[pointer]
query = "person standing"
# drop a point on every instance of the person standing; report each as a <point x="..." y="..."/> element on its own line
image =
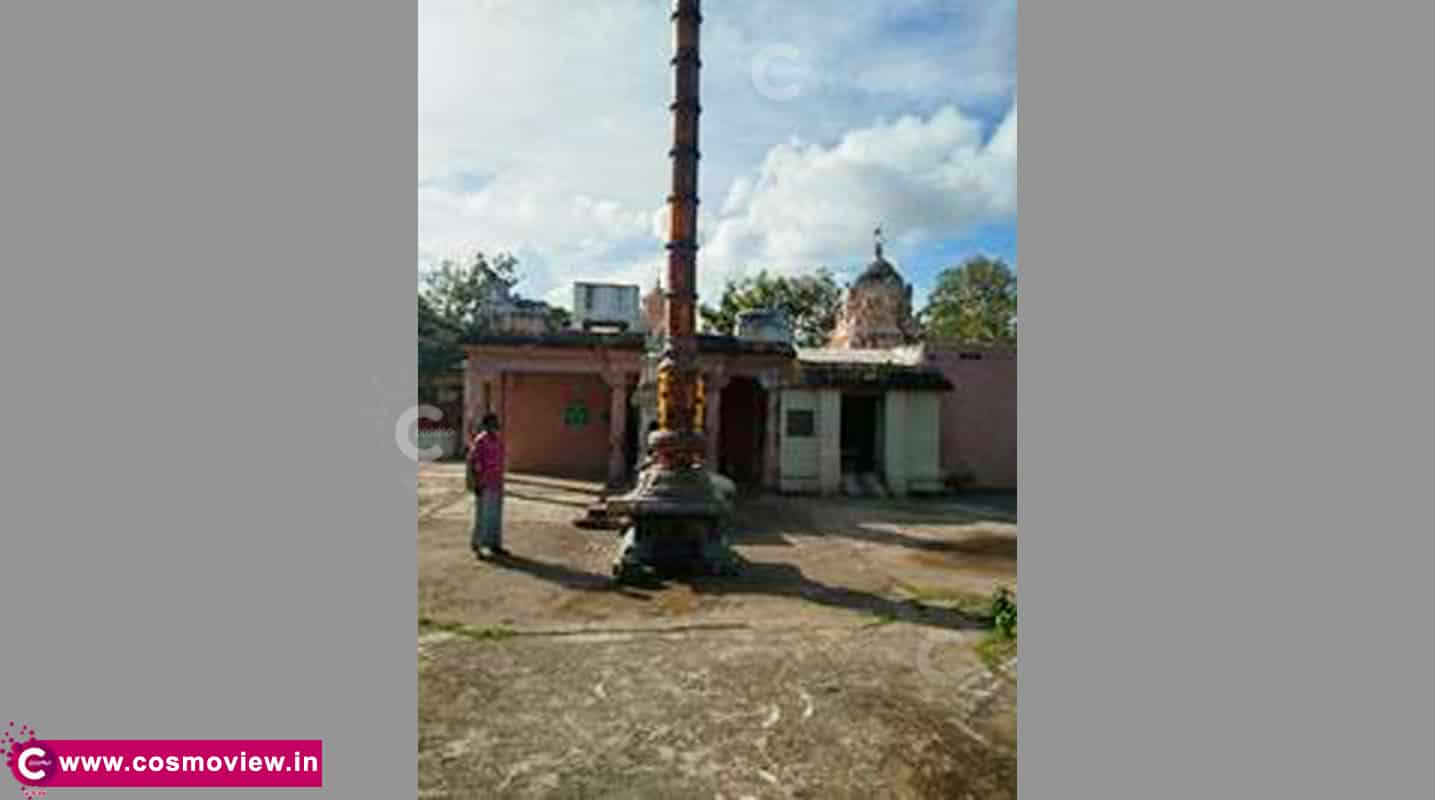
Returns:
<point x="485" y="465"/>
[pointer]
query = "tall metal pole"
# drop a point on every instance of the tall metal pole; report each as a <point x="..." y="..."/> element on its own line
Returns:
<point x="675" y="511"/>
<point x="678" y="443"/>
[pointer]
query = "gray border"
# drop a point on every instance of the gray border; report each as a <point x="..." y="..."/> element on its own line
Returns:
<point x="206" y="331"/>
<point x="206" y="315"/>
<point x="1222" y="438"/>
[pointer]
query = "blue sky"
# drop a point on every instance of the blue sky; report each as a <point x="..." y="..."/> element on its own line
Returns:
<point x="543" y="130"/>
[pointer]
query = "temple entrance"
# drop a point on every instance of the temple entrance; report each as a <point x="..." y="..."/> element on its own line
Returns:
<point x="860" y="439"/>
<point x="743" y="431"/>
<point x="635" y="439"/>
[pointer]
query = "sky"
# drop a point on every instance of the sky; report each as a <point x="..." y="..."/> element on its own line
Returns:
<point x="544" y="130"/>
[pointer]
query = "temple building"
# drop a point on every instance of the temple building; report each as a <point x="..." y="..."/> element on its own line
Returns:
<point x="875" y="412"/>
<point x="863" y="415"/>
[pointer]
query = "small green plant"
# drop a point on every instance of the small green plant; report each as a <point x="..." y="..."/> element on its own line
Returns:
<point x="1004" y="613"/>
<point x="489" y="633"/>
<point x="973" y="605"/>
<point x="883" y="618"/>
<point x="993" y="650"/>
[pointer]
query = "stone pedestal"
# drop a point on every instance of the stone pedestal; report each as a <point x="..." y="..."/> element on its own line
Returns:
<point x="678" y="526"/>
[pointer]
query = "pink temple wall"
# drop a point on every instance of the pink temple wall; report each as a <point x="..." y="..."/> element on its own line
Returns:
<point x="537" y="438"/>
<point x="979" y="416"/>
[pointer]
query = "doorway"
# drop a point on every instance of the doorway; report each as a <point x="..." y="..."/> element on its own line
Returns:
<point x="861" y="421"/>
<point x="635" y="440"/>
<point x="743" y="432"/>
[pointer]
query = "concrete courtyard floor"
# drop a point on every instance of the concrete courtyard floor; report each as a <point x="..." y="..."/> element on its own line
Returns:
<point x="843" y="662"/>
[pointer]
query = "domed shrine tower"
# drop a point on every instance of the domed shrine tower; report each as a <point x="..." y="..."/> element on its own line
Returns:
<point x="654" y="308"/>
<point x="878" y="311"/>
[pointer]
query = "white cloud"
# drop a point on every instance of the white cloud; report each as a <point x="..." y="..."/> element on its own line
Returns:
<point x="811" y="205"/>
<point x="543" y="130"/>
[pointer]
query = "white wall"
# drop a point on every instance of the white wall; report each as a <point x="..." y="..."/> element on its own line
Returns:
<point x="911" y="442"/>
<point x="829" y="431"/>
<point x="799" y="464"/>
<point x="445" y="441"/>
<point x="923" y="446"/>
<point x="894" y="441"/>
<point x="908" y="436"/>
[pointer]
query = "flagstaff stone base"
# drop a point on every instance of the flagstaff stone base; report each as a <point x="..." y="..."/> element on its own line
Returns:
<point x="678" y="526"/>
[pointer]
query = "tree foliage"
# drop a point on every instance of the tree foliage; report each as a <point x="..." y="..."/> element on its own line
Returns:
<point x="974" y="302"/>
<point x="458" y="301"/>
<point x="439" y="349"/>
<point x="810" y="302"/>
<point x="467" y="295"/>
<point x="559" y="318"/>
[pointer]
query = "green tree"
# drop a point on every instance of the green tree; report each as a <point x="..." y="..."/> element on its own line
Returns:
<point x="439" y="349"/>
<point x="974" y="302"/>
<point x="466" y="296"/>
<point x="460" y="301"/>
<point x="559" y="318"/>
<point x="810" y="303"/>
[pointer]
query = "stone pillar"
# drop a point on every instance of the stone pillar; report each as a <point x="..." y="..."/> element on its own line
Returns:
<point x="715" y="381"/>
<point x="475" y="397"/>
<point x="492" y="400"/>
<point x="617" y="427"/>
<point x="772" y="426"/>
<point x="470" y="400"/>
<point x="829" y="447"/>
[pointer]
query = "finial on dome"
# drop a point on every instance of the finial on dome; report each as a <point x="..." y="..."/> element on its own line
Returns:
<point x="877" y="239"/>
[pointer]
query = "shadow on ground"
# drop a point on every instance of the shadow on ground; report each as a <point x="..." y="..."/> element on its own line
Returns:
<point x="541" y="677"/>
<point x="566" y="577"/>
<point x="546" y="498"/>
<point x="755" y="578"/>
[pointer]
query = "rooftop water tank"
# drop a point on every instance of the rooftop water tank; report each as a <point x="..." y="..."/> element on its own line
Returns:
<point x="607" y="306"/>
<point x="764" y="325"/>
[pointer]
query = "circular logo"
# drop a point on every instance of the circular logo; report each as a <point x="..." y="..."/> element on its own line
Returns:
<point x="34" y="763"/>
<point x="407" y="438"/>
<point x="780" y="72"/>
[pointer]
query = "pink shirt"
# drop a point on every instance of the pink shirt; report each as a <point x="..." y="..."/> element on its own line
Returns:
<point x="485" y="458"/>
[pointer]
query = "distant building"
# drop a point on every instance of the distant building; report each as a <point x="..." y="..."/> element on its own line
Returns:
<point x="606" y="306"/>
<point x="766" y="325"/>
<point x="876" y="411"/>
<point x="864" y="414"/>
<point x="523" y="317"/>
<point x="654" y="306"/>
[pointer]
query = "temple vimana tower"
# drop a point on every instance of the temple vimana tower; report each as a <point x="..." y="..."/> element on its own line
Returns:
<point x="877" y="313"/>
